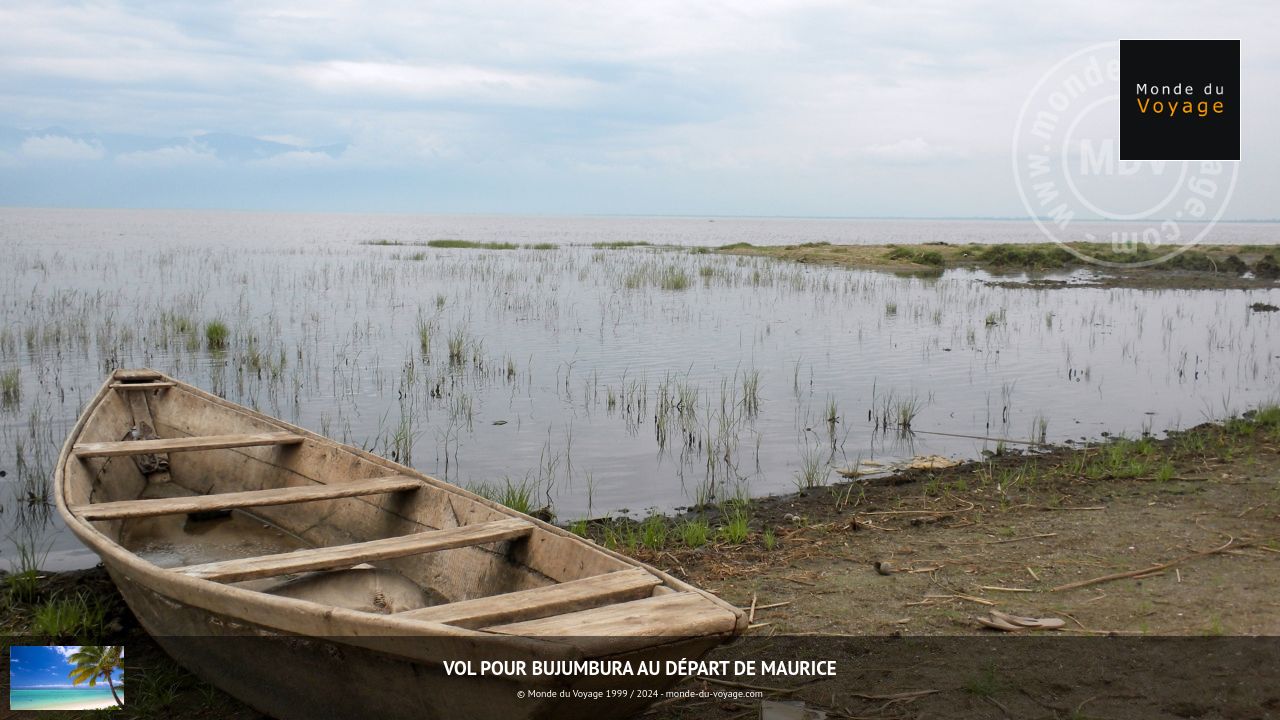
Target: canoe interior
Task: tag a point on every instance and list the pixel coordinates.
(538, 559)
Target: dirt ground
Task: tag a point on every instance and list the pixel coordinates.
(1173, 547)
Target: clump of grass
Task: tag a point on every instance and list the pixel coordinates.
(736, 246)
(674, 278)
(79, 617)
(770, 540)
(216, 334)
(620, 244)
(471, 244)
(580, 527)
(932, 258)
(751, 392)
(457, 347)
(813, 471)
(22, 584)
(1267, 267)
(543, 246)
(158, 688)
(694, 532)
(737, 524)
(832, 413)
(517, 496)
(425, 330)
(906, 410)
(653, 532)
(10, 387)
(1032, 257)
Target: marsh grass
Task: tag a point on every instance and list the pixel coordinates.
(694, 532)
(653, 532)
(813, 471)
(471, 244)
(216, 335)
(81, 617)
(10, 388)
(620, 244)
(736, 527)
(22, 584)
(674, 278)
(519, 496)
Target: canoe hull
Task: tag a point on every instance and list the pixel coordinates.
(294, 677)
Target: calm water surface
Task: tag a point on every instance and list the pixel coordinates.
(602, 380)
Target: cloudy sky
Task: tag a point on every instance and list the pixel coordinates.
(764, 107)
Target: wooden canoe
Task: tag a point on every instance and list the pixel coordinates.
(312, 579)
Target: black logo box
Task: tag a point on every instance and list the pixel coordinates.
(1158, 78)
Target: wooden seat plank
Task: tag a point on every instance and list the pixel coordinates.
(681, 614)
(249, 498)
(184, 444)
(142, 385)
(340, 556)
(540, 602)
(136, 375)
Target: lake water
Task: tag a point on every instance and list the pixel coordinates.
(602, 380)
(76, 698)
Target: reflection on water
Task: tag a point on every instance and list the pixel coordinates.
(589, 379)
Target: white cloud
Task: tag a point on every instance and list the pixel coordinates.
(60, 147)
(426, 81)
(168, 157)
(66, 651)
(297, 159)
(910, 151)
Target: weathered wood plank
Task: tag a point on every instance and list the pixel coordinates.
(128, 375)
(250, 498)
(540, 602)
(142, 385)
(186, 444)
(616, 628)
(340, 556)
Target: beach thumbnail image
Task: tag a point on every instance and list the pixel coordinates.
(66, 677)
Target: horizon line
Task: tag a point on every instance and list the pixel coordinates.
(683, 216)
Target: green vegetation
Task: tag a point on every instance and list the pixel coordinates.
(517, 496)
(97, 662)
(216, 335)
(694, 532)
(813, 471)
(1028, 257)
(674, 278)
(10, 387)
(620, 244)
(919, 256)
(543, 246)
(78, 617)
(653, 532)
(736, 528)
(472, 244)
